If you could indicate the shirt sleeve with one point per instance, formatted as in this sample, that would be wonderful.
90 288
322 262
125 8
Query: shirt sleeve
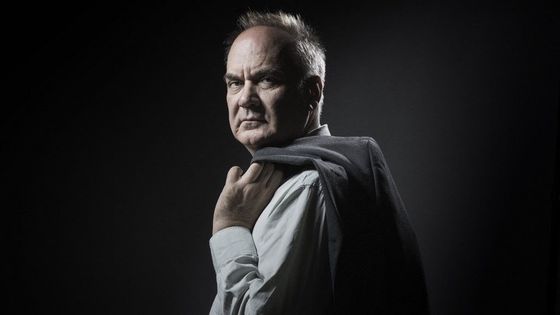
282 266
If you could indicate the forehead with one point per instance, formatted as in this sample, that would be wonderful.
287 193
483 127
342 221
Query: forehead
259 47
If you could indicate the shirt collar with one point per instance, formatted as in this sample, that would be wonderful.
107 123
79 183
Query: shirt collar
322 130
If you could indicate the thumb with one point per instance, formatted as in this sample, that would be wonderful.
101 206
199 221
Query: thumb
234 174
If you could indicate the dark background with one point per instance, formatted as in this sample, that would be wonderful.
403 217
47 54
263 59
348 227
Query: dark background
117 145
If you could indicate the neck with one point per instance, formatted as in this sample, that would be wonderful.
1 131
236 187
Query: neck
312 123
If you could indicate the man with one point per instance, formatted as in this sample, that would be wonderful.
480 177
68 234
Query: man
315 225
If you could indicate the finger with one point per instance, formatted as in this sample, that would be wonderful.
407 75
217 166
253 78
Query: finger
253 172
275 179
234 174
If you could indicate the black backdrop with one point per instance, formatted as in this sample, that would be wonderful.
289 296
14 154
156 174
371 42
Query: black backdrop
117 143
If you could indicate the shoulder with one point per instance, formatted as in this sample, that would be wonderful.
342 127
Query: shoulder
300 189
341 144
364 143
298 199
360 148
305 178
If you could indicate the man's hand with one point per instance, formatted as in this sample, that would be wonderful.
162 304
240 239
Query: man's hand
245 196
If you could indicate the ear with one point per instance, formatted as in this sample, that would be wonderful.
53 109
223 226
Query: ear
313 89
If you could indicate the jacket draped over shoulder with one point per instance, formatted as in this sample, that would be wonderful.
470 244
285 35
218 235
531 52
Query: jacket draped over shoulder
373 253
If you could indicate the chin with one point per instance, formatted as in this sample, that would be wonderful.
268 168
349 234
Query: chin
253 141
256 143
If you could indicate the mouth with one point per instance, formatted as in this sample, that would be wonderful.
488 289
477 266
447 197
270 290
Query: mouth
253 120
251 123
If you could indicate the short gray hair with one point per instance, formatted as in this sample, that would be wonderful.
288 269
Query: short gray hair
309 49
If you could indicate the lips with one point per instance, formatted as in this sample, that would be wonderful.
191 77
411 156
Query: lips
253 119
251 123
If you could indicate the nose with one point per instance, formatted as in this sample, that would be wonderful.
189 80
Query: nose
249 96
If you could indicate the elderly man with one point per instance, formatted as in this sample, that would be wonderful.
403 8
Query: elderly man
315 225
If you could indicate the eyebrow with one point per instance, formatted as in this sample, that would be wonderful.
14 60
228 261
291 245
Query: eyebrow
259 74
230 77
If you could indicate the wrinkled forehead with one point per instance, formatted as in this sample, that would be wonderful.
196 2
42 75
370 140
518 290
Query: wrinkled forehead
262 46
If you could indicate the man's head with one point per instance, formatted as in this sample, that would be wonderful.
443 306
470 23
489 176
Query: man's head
275 77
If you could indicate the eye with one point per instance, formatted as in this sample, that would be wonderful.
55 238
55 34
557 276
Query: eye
233 84
268 81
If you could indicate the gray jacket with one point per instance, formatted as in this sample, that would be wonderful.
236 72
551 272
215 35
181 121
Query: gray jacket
373 252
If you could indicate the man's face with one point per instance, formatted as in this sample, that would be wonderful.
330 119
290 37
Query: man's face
264 102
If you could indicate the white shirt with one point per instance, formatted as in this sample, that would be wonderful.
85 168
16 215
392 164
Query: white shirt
282 267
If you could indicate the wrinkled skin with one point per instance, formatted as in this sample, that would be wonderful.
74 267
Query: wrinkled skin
266 106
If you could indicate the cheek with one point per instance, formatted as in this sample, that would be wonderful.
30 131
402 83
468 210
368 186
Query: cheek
289 108
232 112
230 107
276 103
